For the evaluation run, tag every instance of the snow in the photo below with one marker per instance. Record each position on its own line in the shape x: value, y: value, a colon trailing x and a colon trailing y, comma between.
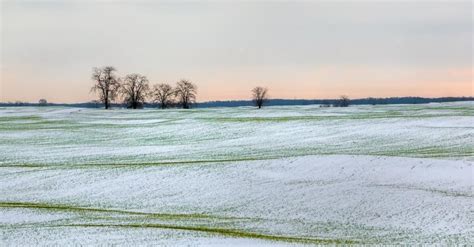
x: 277, y: 176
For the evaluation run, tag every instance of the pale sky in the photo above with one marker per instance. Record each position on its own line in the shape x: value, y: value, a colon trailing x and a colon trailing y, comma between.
x: 306, y: 49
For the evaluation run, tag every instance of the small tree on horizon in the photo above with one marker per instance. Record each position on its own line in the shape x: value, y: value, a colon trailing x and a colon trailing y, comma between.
x: 185, y: 92
x: 106, y: 85
x: 343, y: 101
x: 163, y: 94
x: 42, y: 102
x: 259, y: 95
x: 134, y: 90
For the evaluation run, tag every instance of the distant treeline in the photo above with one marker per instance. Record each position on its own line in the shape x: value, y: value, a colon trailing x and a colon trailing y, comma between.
x: 330, y: 102
x: 271, y: 102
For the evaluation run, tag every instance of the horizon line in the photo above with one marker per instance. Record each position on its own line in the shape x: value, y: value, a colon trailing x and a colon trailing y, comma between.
x: 247, y: 100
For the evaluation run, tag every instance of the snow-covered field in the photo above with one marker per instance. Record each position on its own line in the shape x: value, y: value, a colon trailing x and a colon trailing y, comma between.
x: 398, y: 174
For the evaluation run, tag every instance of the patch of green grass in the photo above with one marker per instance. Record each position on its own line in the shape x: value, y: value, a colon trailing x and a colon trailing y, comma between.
x: 142, y: 164
x: 225, y: 232
x: 187, y: 221
x: 70, y: 208
x: 364, y: 116
x: 19, y: 118
x: 453, y: 151
x: 427, y: 152
x: 431, y: 190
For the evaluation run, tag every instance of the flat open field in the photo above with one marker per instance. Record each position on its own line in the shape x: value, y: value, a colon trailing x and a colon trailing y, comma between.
x: 276, y: 176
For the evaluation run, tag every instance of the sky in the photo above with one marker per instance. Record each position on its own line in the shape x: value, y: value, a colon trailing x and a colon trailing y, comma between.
x: 297, y: 49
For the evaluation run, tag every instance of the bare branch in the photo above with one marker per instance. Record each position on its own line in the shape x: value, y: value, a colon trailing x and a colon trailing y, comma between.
x: 259, y: 95
x: 163, y: 94
x: 343, y: 101
x: 186, y: 93
x: 134, y: 90
x: 106, y: 84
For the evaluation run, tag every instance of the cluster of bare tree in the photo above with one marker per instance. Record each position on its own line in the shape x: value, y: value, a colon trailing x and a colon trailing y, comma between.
x: 134, y: 90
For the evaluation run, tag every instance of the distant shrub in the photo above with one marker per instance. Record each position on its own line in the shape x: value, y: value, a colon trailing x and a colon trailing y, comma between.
x: 343, y: 101
x: 42, y: 102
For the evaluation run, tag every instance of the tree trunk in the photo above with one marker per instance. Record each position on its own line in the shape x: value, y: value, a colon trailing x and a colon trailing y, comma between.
x: 106, y: 101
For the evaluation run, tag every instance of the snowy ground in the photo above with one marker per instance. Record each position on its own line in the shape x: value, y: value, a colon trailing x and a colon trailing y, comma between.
x: 241, y: 176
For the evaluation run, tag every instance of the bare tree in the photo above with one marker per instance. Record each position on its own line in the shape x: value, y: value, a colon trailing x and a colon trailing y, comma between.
x: 186, y: 93
x: 259, y: 95
x: 163, y: 94
x: 343, y: 101
x: 134, y: 90
x: 106, y: 85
